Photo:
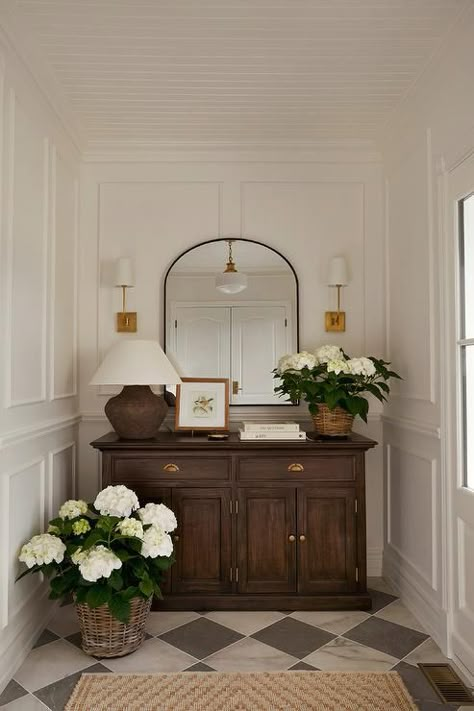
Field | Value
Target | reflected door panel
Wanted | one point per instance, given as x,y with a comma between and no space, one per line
201,343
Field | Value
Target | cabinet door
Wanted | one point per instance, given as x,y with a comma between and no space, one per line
202,540
266,555
327,542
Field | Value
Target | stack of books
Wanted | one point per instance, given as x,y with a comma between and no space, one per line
271,431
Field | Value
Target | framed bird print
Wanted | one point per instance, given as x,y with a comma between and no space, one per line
202,404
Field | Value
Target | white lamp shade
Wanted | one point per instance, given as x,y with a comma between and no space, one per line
231,282
136,362
124,272
338,274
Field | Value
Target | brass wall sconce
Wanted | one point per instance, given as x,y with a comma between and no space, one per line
126,320
338,277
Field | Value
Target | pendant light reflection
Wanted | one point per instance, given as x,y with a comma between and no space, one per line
231,281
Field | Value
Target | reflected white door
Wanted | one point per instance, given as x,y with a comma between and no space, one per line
460,413
200,341
260,336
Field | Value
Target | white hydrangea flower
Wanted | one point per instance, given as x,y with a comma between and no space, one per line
361,366
116,501
78,556
337,366
131,527
158,515
296,361
73,508
324,354
156,542
42,550
98,562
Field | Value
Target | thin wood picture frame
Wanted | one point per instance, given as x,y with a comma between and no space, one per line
202,404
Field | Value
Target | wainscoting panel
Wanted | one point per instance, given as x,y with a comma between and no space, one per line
25,516
62,477
27,244
63,300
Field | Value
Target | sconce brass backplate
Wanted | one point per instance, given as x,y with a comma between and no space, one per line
335,321
127,322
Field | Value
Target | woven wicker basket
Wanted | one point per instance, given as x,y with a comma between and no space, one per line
332,423
105,636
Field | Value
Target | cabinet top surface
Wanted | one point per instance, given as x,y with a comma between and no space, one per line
176,440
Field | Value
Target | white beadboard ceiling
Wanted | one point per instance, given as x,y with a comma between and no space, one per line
150,74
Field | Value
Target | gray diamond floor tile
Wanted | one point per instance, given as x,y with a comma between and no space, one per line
380,600
302,666
416,682
25,703
201,637
45,637
200,667
433,706
386,636
12,691
56,695
293,637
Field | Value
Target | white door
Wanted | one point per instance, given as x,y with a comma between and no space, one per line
200,341
260,336
460,413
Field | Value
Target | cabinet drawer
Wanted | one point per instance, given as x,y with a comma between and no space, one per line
128,469
298,467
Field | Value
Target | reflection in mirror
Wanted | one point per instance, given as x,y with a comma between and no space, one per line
231,310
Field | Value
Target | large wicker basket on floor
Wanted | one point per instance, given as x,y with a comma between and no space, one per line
333,423
105,636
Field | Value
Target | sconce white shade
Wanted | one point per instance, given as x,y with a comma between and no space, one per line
124,272
231,282
136,362
337,273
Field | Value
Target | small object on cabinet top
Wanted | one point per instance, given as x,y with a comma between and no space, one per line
218,436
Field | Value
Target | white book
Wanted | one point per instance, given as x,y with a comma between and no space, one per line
266,436
249,426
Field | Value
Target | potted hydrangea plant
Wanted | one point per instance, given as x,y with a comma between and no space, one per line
334,386
110,556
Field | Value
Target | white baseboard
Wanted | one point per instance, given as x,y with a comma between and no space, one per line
374,562
20,635
421,604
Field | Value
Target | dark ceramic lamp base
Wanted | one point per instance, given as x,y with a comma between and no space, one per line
136,413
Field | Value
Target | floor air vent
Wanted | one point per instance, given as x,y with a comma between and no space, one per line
447,683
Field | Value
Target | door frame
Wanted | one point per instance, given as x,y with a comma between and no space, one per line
450,193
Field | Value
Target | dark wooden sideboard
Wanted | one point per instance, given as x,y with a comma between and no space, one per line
261,525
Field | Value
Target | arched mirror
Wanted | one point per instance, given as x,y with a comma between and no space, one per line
231,311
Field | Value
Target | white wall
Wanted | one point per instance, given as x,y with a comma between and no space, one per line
38,353
309,207
431,132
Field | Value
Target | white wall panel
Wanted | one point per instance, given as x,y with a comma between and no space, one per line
24,509
27,208
62,470
411,511
63,381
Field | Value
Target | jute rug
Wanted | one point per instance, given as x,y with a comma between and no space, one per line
263,691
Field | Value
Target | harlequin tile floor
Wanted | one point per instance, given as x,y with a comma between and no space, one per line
387,638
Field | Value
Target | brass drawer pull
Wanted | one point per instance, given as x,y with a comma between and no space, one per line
176,539
296,468
302,538
170,468
292,538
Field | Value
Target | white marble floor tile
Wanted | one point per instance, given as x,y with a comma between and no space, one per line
160,622
245,622
65,621
336,622
51,662
250,655
346,655
152,657
427,652
397,612
381,585
25,703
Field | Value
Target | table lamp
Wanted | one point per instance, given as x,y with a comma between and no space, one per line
136,413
